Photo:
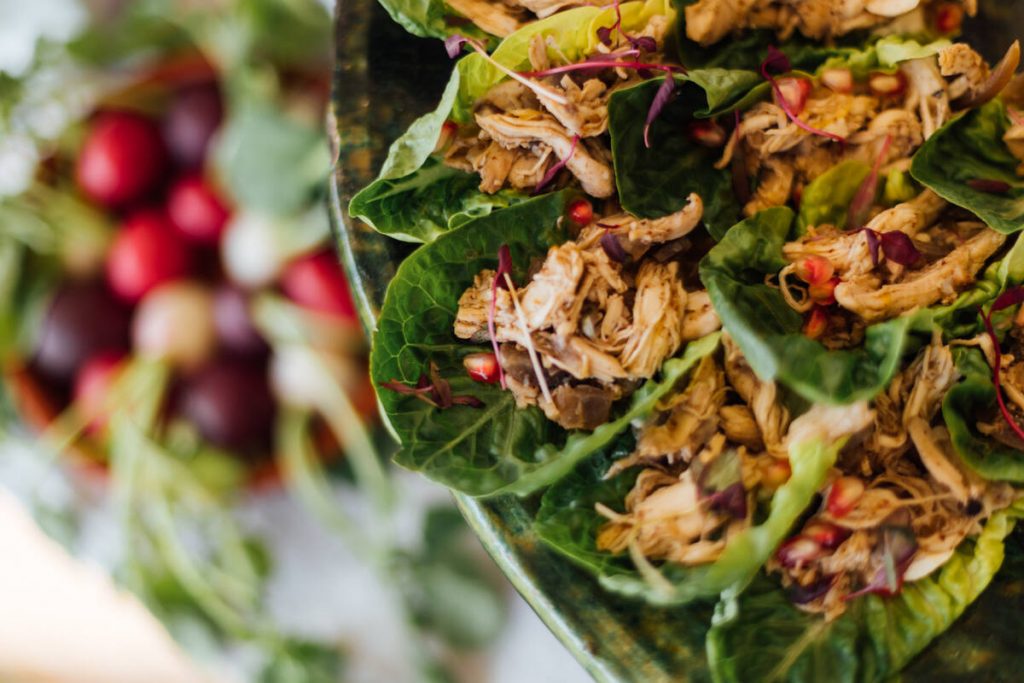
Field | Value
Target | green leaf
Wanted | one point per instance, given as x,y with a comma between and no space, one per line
268,161
827,198
655,181
884,55
428,202
967,402
446,587
474,450
431,19
769,332
568,522
975,141
766,638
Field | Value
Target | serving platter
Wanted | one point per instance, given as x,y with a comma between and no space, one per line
383,79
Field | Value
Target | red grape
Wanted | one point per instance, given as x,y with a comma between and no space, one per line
234,323
229,402
82,321
190,122
316,282
122,159
196,210
93,385
145,253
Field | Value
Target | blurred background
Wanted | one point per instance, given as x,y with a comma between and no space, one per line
193,479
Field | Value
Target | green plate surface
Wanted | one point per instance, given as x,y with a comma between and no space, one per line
385,78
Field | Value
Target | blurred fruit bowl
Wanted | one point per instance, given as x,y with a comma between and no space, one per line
153,263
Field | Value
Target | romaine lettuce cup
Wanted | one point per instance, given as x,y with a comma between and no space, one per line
507,352
696,499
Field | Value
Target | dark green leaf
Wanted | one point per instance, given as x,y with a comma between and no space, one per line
765,638
969,148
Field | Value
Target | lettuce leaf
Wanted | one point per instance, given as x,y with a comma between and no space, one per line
769,331
763,637
655,181
568,522
975,141
416,199
967,402
826,199
431,19
498,448
885,54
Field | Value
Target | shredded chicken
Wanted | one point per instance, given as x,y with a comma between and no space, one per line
497,18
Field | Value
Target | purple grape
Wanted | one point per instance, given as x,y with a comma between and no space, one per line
190,122
83,320
234,323
229,403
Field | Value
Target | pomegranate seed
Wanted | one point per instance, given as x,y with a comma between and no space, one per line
838,80
798,551
482,367
888,85
581,212
829,536
795,92
706,133
448,132
775,473
948,17
816,322
824,293
844,496
814,270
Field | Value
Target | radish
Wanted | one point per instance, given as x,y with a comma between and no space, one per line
256,248
196,210
174,323
82,321
229,403
122,159
317,282
190,122
233,320
145,253
93,386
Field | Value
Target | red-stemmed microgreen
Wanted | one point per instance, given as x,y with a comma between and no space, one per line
454,44
897,548
643,43
777,62
989,185
553,171
434,390
894,244
612,247
661,99
860,207
504,271
1010,297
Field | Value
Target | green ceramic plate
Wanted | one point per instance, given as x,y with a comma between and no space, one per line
383,79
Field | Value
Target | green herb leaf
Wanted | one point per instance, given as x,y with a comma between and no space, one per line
975,141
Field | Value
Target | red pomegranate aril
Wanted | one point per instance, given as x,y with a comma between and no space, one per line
482,367
829,536
317,282
948,17
82,321
816,322
814,270
706,133
887,85
196,210
448,132
824,294
838,80
798,552
146,252
844,495
795,92
92,387
581,212
122,159
190,122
